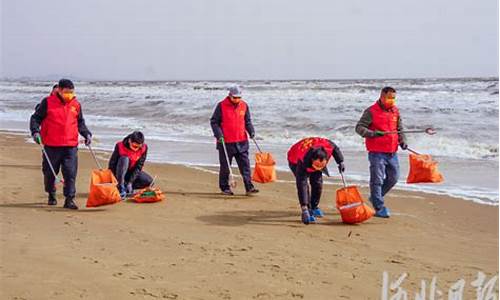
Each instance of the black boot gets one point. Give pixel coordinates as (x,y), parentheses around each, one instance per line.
(69,203)
(52,199)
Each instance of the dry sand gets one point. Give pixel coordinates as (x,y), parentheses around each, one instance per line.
(199,244)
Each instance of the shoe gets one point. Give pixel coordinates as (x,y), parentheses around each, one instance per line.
(227,192)
(123,191)
(317,212)
(307,218)
(52,199)
(252,191)
(70,204)
(384,212)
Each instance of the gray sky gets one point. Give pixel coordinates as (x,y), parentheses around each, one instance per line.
(259,39)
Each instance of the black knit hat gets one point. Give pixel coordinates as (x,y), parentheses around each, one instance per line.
(66,84)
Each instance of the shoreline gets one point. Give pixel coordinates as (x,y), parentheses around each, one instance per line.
(333,180)
(198,244)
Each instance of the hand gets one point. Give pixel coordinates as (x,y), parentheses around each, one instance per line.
(379,133)
(88,140)
(129,188)
(221,140)
(37,138)
(341,167)
(403,145)
(252,135)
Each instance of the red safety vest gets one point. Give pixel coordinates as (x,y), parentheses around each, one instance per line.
(132,155)
(299,150)
(59,128)
(233,121)
(383,120)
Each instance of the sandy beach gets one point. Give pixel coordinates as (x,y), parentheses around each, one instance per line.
(199,244)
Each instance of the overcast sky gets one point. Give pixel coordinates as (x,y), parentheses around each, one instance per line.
(258,39)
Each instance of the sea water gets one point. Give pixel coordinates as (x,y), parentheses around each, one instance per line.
(175,119)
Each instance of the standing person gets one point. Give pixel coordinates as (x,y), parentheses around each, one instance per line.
(56,122)
(127,162)
(378,125)
(230,123)
(308,159)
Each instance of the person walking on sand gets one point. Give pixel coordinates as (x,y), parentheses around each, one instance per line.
(379,125)
(230,123)
(55,124)
(127,161)
(308,159)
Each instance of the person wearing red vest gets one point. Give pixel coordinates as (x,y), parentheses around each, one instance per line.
(127,161)
(379,125)
(308,159)
(230,123)
(56,122)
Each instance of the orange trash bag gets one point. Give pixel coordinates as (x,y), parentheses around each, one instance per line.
(103,189)
(423,169)
(264,170)
(351,205)
(148,195)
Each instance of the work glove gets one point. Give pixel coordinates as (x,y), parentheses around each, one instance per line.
(221,140)
(403,145)
(37,138)
(379,133)
(88,140)
(130,189)
(341,167)
(252,135)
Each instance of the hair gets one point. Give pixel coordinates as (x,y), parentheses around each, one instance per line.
(55,86)
(66,84)
(388,89)
(318,153)
(137,137)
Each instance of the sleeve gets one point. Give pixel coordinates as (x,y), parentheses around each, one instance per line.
(248,123)
(215,122)
(337,154)
(82,128)
(401,136)
(138,166)
(114,159)
(363,124)
(38,116)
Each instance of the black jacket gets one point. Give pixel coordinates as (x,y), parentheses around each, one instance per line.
(41,112)
(301,174)
(131,174)
(215,123)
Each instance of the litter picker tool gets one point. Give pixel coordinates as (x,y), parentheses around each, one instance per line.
(232,181)
(95,158)
(429,131)
(58,179)
(256,145)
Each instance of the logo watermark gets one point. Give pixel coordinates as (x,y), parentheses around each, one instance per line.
(485,289)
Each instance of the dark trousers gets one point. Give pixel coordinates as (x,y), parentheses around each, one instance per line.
(309,197)
(243,165)
(123,174)
(66,160)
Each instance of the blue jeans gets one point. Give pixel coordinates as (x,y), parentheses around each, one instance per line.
(384,174)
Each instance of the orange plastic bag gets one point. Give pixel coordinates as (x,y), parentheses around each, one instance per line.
(103,189)
(423,169)
(264,170)
(148,195)
(351,206)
